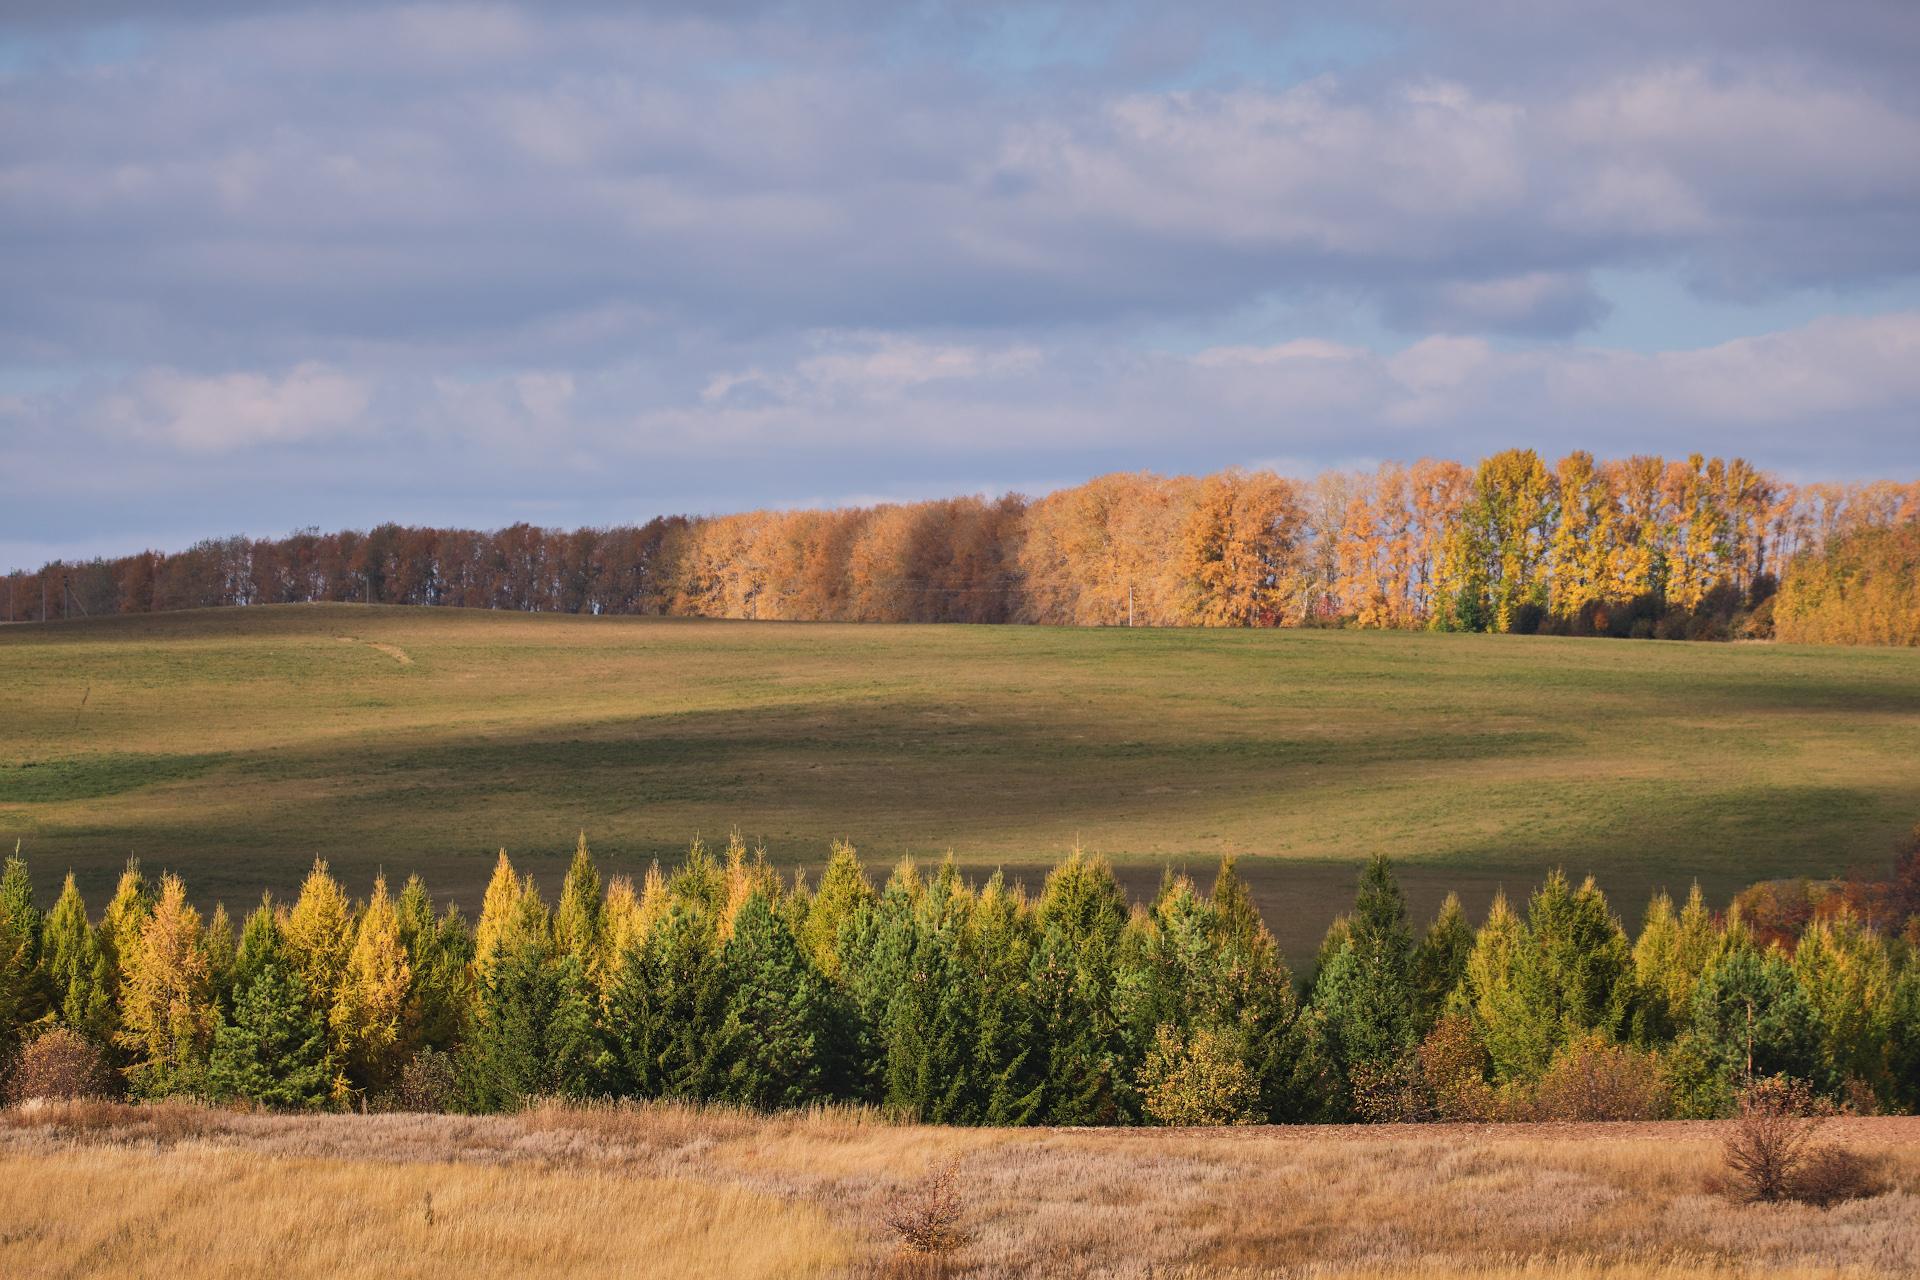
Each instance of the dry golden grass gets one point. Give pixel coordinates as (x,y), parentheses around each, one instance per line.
(207,1211)
(669,1190)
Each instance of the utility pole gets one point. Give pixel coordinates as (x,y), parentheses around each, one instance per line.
(1129,604)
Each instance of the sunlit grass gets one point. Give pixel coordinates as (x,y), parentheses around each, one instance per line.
(234,746)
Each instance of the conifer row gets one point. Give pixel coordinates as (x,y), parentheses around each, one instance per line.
(953,1002)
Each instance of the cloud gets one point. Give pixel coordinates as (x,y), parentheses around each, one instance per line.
(237,410)
(616,259)
(470,180)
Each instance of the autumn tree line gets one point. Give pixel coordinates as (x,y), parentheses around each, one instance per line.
(725,981)
(1641,546)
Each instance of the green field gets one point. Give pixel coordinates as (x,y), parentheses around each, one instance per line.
(234,746)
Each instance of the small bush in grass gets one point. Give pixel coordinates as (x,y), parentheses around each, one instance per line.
(1593,1079)
(1771,1155)
(427,1083)
(926,1219)
(1770,1137)
(59,1065)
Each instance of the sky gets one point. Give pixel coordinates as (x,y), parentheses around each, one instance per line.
(269,266)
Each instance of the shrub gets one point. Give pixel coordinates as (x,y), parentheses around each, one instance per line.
(1771,1153)
(59,1065)
(1453,1064)
(1390,1092)
(926,1218)
(1202,1080)
(428,1082)
(1592,1079)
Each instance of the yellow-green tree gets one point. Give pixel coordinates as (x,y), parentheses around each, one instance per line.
(1848,975)
(577,917)
(1496,559)
(1646,527)
(126,917)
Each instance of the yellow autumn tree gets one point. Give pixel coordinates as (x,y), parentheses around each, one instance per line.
(1580,553)
(1646,527)
(367,1020)
(1378,551)
(166,995)
(319,935)
(511,915)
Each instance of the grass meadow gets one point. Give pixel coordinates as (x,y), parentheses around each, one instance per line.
(234,746)
(95,1188)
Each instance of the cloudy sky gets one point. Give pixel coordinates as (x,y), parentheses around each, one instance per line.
(268,266)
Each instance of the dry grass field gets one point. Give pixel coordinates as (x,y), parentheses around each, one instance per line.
(233,746)
(96,1189)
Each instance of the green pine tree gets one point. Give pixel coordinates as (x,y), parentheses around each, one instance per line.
(780,1015)
(271,1047)
(23,994)
(1752,1019)
(535,1034)
(666,1010)
(79,978)
(1365,991)
(1440,962)
(1081,916)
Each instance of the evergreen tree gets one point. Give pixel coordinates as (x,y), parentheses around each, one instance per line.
(1493,997)
(666,1013)
(1081,915)
(1580,966)
(23,994)
(1903,1037)
(127,913)
(79,976)
(1440,962)
(438,952)
(166,997)
(1848,976)
(1366,991)
(512,916)
(780,1014)
(1663,992)
(927,1020)
(218,941)
(1007,1085)
(875,957)
(272,1047)
(535,1033)
(368,1018)
(844,890)
(576,918)
(1752,1019)
(1566,971)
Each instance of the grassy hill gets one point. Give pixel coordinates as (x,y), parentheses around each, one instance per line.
(233,746)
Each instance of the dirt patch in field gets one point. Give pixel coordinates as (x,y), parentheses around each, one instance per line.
(393,651)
